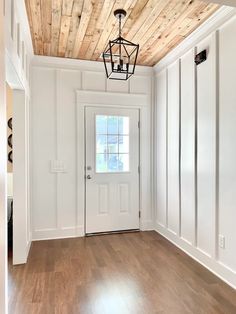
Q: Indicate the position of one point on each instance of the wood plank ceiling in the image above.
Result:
(81, 28)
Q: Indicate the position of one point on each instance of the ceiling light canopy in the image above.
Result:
(120, 55)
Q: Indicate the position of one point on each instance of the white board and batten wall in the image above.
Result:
(57, 197)
(195, 147)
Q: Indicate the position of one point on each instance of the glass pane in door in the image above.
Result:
(112, 144)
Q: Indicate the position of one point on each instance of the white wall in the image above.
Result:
(18, 55)
(196, 172)
(54, 129)
(227, 148)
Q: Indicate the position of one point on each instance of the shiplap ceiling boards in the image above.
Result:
(81, 28)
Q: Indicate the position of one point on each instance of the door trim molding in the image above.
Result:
(118, 100)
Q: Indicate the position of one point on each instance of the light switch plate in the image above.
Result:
(58, 166)
(221, 241)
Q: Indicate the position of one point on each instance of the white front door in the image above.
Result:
(112, 169)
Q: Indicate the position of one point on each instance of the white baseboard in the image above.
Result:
(50, 234)
(23, 257)
(146, 225)
(27, 250)
(73, 232)
(217, 268)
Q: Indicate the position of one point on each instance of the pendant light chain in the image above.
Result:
(120, 37)
(120, 25)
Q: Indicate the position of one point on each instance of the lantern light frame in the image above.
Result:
(117, 51)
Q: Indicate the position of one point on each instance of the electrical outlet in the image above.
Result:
(221, 241)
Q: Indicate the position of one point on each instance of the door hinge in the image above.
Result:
(139, 124)
(139, 214)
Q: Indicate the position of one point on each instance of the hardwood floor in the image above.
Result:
(133, 273)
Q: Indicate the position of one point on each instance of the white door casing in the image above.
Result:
(111, 100)
(112, 169)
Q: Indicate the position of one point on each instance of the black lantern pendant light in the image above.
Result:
(120, 55)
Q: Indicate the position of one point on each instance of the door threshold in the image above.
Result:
(111, 232)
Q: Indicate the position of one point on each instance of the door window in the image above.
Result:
(112, 144)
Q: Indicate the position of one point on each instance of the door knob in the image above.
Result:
(89, 177)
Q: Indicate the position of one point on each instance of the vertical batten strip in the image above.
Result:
(179, 233)
(77, 201)
(155, 152)
(195, 88)
(85, 169)
(152, 169)
(217, 86)
(166, 147)
(57, 99)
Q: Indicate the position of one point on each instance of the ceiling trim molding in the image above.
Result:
(78, 64)
(221, 16)
(223, 2)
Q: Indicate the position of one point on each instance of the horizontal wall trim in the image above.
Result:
(50, 234)
(171, 231)
(221, 16)
(225, 2)
(83, 65)
(111, 99)
(224, 273)
(203, 252)
(186, 241)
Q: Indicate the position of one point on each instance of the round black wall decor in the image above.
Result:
(9, 123)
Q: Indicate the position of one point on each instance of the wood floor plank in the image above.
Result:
(133, 273)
